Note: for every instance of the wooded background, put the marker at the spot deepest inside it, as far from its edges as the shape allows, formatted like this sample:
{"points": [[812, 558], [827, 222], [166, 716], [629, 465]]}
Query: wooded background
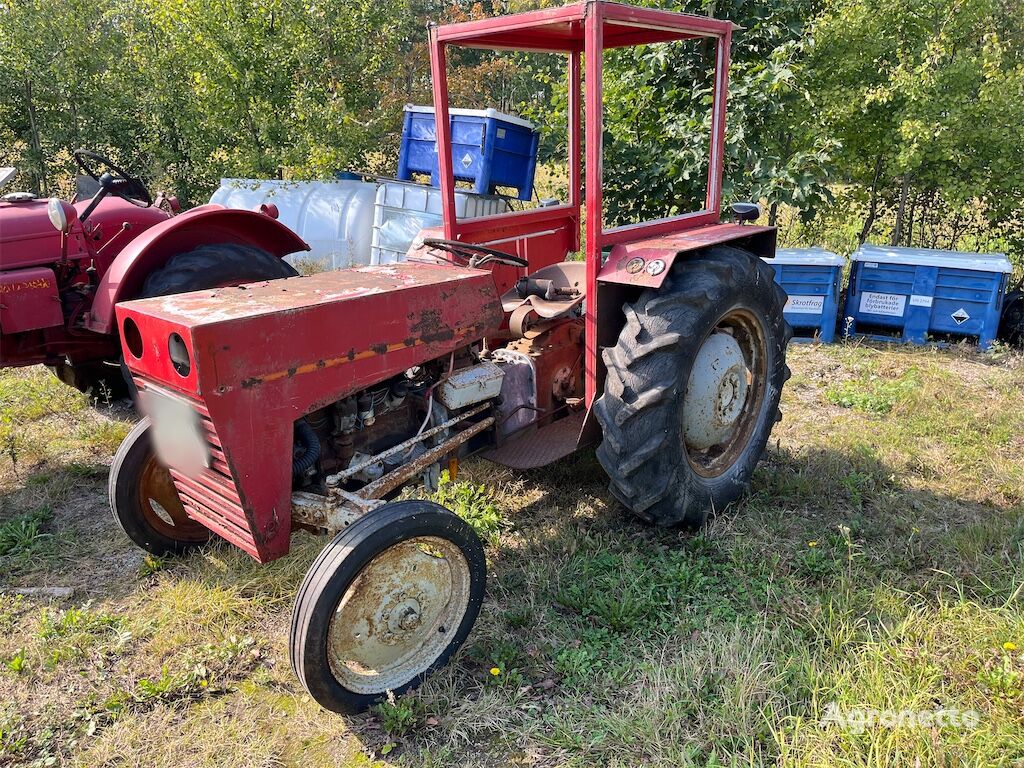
{"points": [[895, 121]]}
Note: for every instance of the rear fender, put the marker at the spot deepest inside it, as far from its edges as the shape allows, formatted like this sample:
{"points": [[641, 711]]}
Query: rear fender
{"points": [[154, 247], [646, 263], [633, 267]]}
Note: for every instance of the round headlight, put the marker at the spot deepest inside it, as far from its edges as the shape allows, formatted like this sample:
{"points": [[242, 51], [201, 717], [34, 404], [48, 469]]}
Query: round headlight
{"points": [[58, 216]]}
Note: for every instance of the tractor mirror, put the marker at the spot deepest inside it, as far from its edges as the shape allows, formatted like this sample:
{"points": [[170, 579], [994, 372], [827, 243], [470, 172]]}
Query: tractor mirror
{"points": [[742, 212]]}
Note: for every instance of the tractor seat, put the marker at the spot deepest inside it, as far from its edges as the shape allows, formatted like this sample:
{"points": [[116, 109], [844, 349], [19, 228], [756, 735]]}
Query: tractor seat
{"points": [[546, 294]]}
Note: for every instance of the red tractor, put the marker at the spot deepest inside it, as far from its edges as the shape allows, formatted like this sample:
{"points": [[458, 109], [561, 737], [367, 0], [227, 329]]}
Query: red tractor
{"points": [[63, 267], [307, 403]]}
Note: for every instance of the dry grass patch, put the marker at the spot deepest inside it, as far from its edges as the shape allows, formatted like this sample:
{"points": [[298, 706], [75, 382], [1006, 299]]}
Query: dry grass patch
{"points": [[875, 563]]}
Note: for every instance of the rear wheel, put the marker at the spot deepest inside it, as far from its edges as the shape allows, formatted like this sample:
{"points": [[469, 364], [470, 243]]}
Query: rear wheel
{"points": [[215, 266], [1011, 324], [145, 502], [693, 387], [385, 604]]}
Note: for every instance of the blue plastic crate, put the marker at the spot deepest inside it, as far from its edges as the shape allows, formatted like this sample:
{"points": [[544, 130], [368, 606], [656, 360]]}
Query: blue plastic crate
{"points": [[911, 293], [811, 278], [489, 149]]}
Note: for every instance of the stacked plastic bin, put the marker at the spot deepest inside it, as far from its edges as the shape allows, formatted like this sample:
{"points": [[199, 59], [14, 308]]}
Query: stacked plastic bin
{"points": [[489, 149]]}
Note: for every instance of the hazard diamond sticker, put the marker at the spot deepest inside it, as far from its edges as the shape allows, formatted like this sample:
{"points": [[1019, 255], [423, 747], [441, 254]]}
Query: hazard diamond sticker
{"points": [[961, 316], [467, 160]]}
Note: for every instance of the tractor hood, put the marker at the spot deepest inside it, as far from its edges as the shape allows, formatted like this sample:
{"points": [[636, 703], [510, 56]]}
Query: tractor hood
{"points": [[27, 238], [227, 372]]}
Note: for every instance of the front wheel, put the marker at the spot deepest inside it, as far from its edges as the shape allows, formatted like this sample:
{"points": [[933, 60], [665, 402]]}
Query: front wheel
{"points": [[388, 601], [145, 502], [693, 387], [98, 378]]}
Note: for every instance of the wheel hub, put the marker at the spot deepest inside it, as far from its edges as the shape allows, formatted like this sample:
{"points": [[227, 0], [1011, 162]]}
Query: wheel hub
{"points": [[398, 615], [716, 392], [404, 615]]}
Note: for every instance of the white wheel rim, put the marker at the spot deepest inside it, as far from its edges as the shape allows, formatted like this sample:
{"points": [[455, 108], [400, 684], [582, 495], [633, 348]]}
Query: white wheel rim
{"points": [[716, 391], [728, 383], [398, 615]]}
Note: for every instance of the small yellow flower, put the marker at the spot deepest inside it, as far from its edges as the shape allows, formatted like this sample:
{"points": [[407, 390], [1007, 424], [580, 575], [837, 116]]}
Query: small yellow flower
{"points": [[1008, 646], [812, 544], [495, 671]]}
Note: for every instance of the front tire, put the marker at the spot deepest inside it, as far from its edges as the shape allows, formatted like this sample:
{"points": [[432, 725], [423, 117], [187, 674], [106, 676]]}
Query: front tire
{"points": [[387, 602], [693, 387], [145, 502], [97, 378]]}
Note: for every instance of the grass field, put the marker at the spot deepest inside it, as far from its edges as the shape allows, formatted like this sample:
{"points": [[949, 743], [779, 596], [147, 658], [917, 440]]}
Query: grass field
{"points": [[876, 564]]}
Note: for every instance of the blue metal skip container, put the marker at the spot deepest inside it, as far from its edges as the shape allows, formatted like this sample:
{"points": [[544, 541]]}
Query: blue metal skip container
{"points": [[489, 149], [811, 278], [914, 293]]}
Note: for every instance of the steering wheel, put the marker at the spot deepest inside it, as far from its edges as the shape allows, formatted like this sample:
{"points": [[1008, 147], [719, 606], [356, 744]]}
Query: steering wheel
{"points": [[121, 184], [476, 255]]}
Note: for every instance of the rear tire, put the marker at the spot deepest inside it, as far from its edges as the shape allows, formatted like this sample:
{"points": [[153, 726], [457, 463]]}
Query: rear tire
{"points": [[145, 502], [214, 266], [386, 603], [1011, 324], [716, 326]]}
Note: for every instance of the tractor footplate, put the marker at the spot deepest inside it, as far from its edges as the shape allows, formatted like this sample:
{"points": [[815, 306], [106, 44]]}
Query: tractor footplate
{"points": [[538, 448]]}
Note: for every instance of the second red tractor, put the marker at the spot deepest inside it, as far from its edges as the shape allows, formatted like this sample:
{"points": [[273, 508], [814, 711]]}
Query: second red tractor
{"points": [[64, 265], [308, 402]]}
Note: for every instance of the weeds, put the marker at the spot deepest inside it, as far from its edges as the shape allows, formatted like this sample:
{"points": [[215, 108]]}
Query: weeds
{"points": [[473, 503], [23, 538], [873, 394], [71, 633], [16, 663], [602, 641], [398, 715]]}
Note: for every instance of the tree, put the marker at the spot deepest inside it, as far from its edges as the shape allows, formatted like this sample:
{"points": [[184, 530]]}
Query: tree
{"points": [[927, 99]]}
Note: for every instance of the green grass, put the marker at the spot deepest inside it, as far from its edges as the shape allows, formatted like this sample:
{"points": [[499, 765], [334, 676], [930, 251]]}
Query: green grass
{"points": [[876, 564]]}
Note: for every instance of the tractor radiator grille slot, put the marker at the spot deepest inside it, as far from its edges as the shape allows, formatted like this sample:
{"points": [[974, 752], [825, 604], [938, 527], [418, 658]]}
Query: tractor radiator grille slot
{"points": [[212, 497]]}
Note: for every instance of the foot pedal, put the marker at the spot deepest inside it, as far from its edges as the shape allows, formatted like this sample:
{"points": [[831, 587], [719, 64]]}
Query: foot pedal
{"points": [[540, 447]]}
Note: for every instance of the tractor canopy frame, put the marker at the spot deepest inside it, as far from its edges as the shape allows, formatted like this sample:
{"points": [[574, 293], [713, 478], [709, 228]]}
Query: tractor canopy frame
{"points": [[583, 31]]}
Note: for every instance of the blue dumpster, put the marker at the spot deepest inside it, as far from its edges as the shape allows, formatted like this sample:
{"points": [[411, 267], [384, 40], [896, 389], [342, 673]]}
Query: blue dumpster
{"points": [[489, 149], [811, 278], [914, 293]]}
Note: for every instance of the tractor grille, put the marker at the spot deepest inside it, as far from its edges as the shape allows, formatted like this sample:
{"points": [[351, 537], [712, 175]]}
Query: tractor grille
{"points": [[212, 497]]}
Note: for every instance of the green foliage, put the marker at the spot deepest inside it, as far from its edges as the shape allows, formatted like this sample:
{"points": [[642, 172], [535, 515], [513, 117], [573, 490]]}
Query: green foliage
{"points": [[398, 715], [22, 537], [873, 394], [648, 593], [16, 663], [870, 119], [473, 503], [926, 98], [152, 565], [74, 632]]}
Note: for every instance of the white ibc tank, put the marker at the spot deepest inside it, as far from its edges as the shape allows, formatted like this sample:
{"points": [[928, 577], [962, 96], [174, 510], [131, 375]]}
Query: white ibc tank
{"points": [[403, 209], [334, 217]]}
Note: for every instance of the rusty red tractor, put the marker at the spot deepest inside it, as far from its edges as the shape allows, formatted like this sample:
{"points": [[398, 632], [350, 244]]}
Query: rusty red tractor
{"points": [[63, 267], [308, 402]]}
